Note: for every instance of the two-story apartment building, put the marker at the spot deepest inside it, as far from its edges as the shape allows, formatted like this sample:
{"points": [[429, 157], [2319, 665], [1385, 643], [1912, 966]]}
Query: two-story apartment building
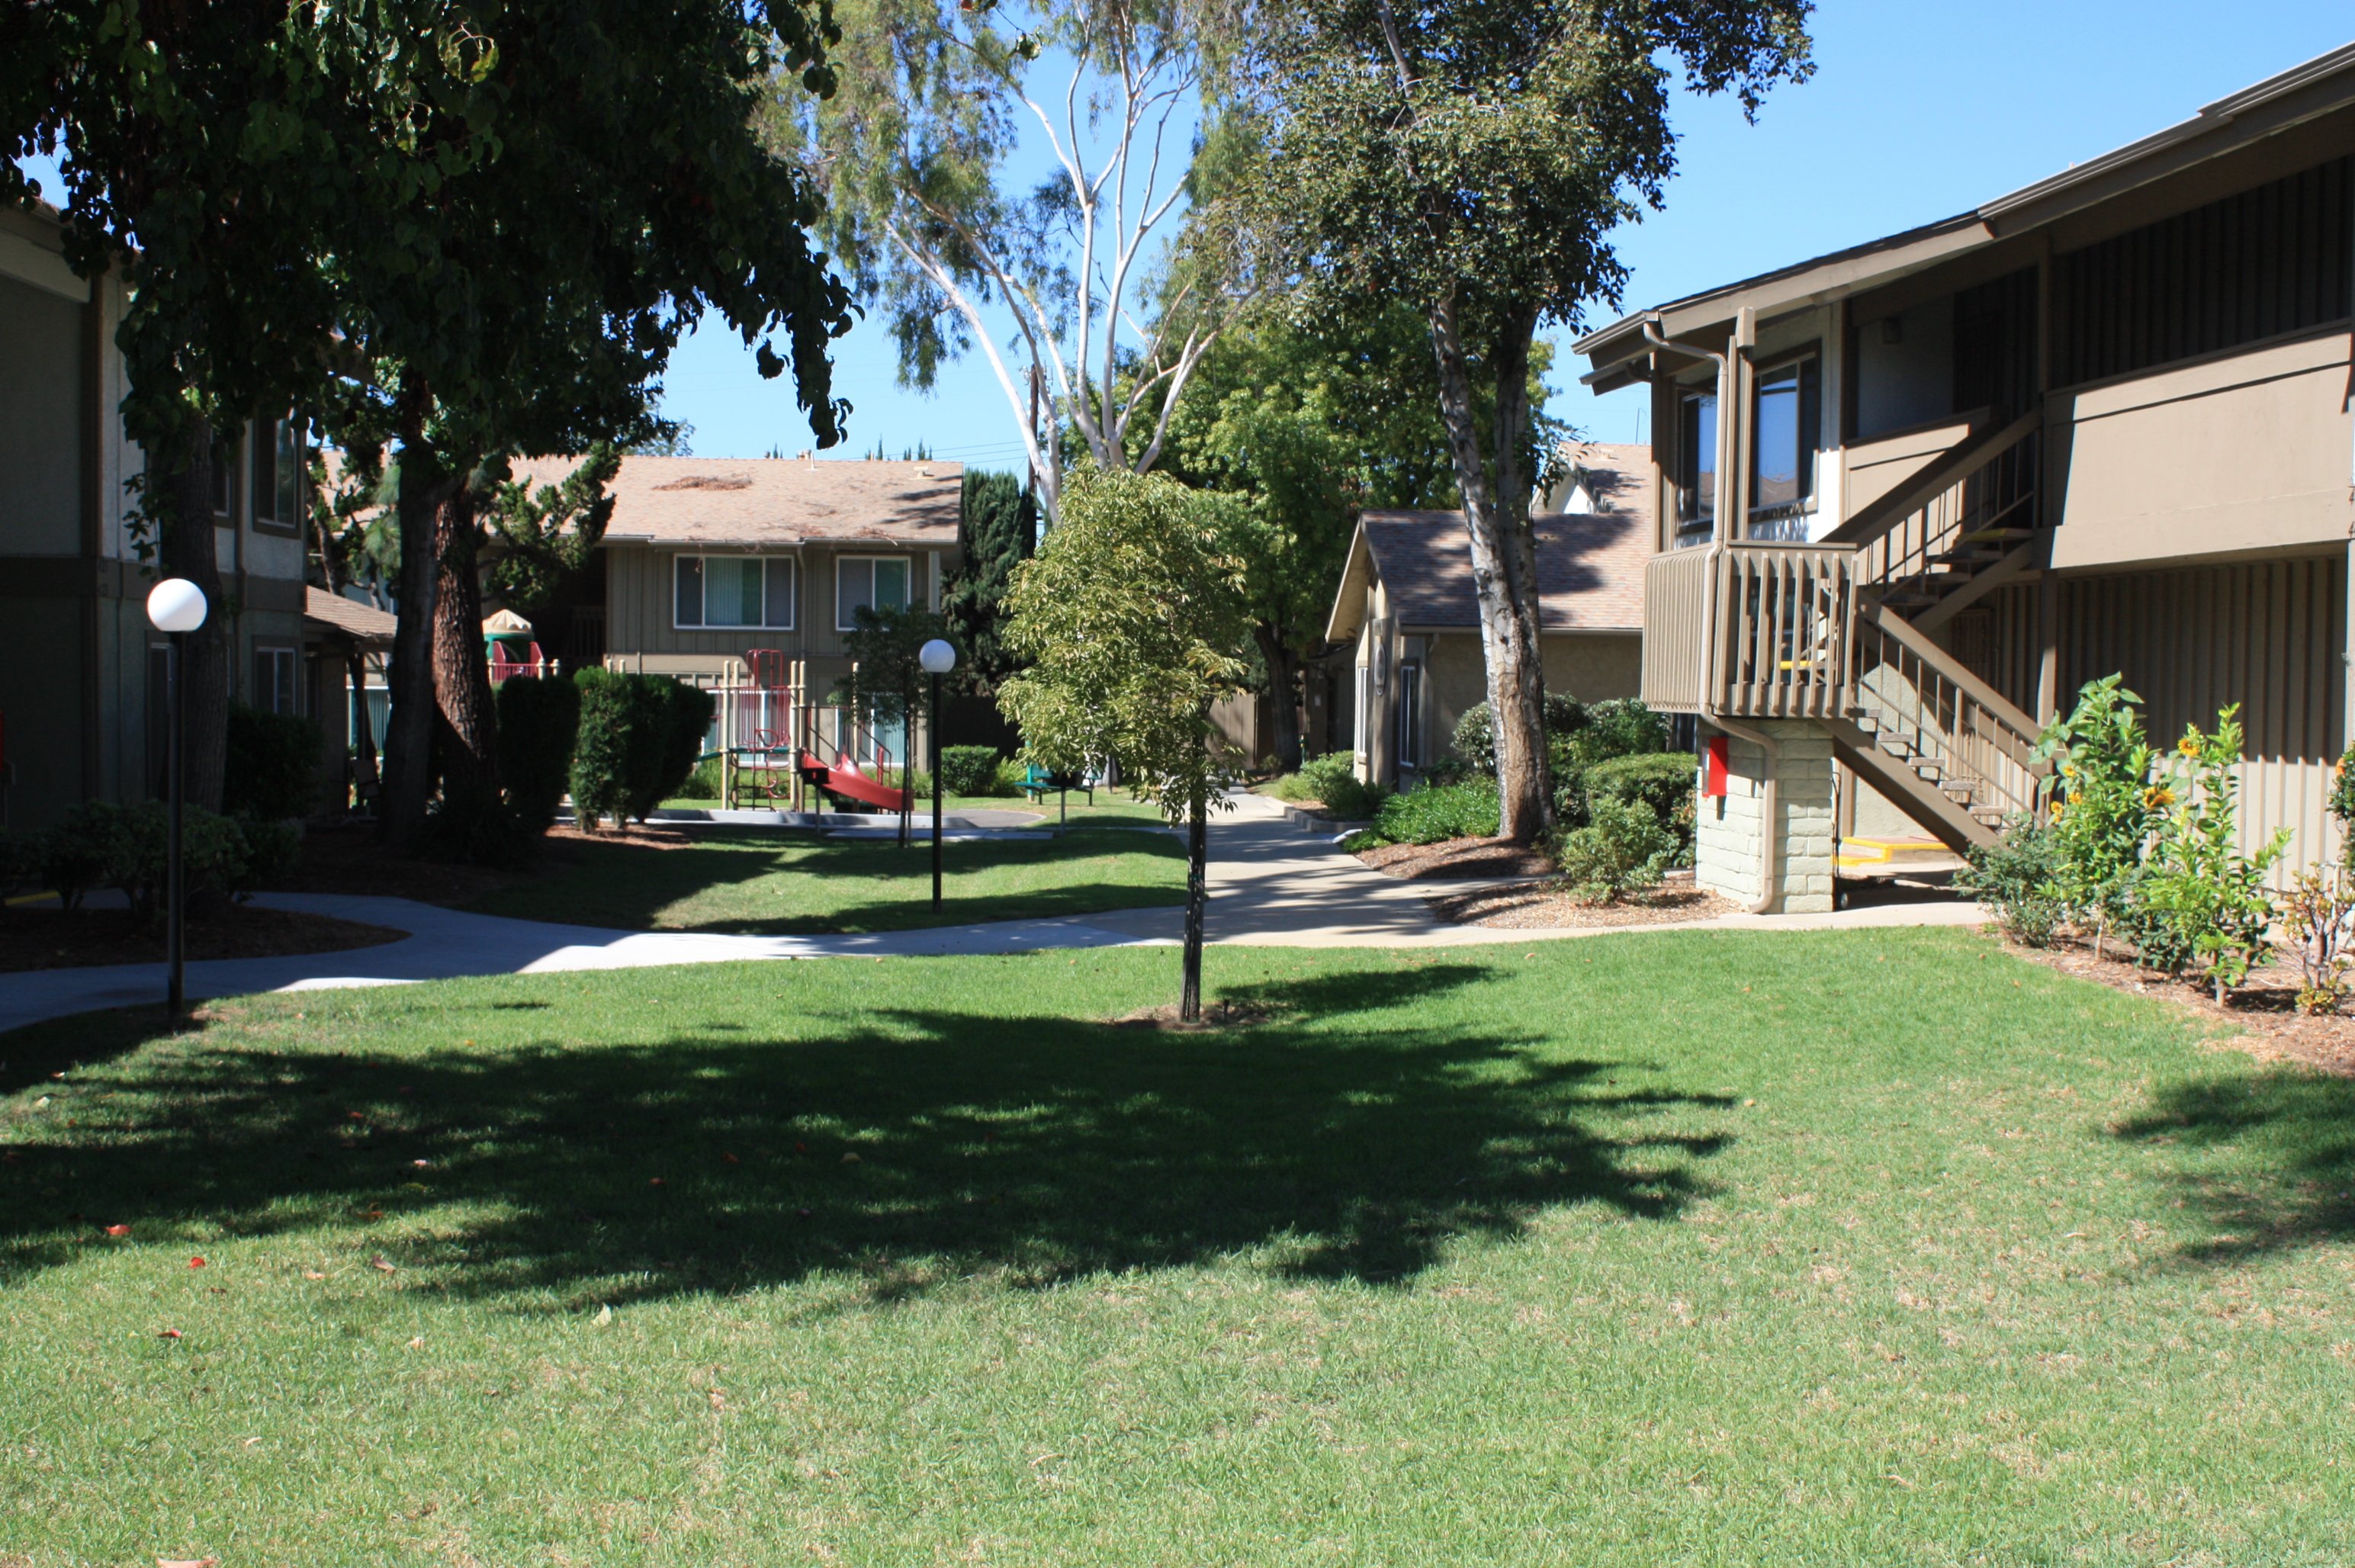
{"points": [[1911, 494], [79, 664]]}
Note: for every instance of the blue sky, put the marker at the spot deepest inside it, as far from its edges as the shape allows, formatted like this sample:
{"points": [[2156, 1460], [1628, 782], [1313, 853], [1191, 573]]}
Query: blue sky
{"points": [[1918, 110]]}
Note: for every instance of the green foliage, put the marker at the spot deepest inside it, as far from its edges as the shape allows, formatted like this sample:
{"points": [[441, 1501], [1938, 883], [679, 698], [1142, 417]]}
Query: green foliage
{"points": [[997, 530], [2018, 877], [20, 861], [2342, 804], [2214, 898], [544, 536], [538, 720], [702, 784], [1475, 740], [1135, 621], [1662, 780], [639, 738], [2102, 799], [884, 645], [1331, 781], [969, 770], [1624, 848], [1617, 726], [1437, 813], [100, 844], [2317, 915], [273, 764]]}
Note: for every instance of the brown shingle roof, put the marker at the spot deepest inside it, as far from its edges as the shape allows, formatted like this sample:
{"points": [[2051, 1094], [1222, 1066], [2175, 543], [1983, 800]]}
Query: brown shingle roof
{"points": [[773, 500], [365, 623], [1590, 565]]}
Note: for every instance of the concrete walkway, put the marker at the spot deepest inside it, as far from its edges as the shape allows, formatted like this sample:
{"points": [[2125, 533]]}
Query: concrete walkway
{"points": [[1270, 884]]}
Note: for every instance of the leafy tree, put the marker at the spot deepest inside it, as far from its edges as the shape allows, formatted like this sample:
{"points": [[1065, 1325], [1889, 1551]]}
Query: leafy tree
{"points": [[1135, 619], [997, 530], [1120, 270], [1470, 159], [544, 536], [1308, 423]]}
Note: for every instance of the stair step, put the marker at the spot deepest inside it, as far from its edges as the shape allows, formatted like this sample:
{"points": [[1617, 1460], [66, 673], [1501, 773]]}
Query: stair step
{"points": [[2008, 533]]}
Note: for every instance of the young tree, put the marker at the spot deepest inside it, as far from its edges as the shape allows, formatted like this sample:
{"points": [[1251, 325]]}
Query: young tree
{"points": [[914, 150], [1306, 423], [1471, 159], [1135, 619], [997, 530]]}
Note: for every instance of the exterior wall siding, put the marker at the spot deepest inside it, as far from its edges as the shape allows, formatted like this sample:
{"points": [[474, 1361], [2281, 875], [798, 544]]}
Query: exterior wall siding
{"points": [[639, 604], [2270, 636], [1728, 830]]}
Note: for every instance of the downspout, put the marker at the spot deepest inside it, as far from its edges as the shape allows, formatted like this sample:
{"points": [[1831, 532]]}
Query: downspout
{"points": [[1721, 524]]}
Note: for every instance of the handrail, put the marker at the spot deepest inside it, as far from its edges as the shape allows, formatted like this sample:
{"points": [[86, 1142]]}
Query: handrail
{"points": [[1778, 646], [2019, 731], [1878, 518], [1972, 743]]}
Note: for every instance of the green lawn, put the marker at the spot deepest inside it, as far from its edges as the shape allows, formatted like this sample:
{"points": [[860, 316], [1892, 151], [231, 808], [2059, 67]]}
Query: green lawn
{"points": [[1669, 1249], [771, 882]]}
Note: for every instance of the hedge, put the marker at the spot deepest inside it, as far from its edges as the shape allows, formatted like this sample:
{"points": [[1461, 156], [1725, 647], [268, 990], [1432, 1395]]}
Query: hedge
{"points": [[539, 722], [638, 739], [100, 844], [969, 770]]}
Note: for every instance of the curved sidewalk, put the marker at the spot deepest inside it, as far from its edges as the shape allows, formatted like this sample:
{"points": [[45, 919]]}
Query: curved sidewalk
{"points": [[1270, 884]]}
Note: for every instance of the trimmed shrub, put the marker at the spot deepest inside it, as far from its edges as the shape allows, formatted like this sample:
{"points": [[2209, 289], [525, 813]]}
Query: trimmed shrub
{"points": [[969, 770], [2017, 876], [1435, 814], [1620, 727], [271, 847], [1623, 849], [1661, 780], [539, 719], [639, 738], [1475, 740], [273, 765], [103, 845], [1333, 783]]}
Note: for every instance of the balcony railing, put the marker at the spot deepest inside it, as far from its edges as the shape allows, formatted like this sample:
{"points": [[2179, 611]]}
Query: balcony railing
{"points": [[1751, 630]]}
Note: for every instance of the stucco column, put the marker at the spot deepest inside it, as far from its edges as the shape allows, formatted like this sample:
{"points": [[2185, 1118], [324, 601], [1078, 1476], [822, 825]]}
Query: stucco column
{"points": [[1731, 829]]}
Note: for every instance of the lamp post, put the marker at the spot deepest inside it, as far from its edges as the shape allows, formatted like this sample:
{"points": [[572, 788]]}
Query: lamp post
{"points": [[175, 607], [938, 658]]}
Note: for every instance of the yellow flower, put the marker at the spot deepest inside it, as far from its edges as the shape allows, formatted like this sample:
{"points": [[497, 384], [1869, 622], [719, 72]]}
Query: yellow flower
{"points": [[2057, 809], [2187, 746], [2158, 796], [2068, 770], [2076, 798]]}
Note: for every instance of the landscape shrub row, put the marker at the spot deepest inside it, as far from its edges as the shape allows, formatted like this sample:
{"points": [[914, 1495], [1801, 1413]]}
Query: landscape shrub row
{"points": [[103, 845], [2140, 846]]}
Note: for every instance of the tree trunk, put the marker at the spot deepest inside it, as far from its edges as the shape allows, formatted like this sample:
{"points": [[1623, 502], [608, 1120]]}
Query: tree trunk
{"points": [[1504, 562], [363, 726], [1283, 692], [409, 733], [1198, 896], [467, 731], [185, 548]]}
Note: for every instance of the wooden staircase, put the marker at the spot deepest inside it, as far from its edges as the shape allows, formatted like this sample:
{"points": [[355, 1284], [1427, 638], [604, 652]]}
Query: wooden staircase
{"points": [[1937, 741]]}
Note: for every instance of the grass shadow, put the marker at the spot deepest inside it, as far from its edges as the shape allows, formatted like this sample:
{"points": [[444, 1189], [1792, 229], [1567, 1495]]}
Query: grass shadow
{"points": [[2280, 1166], [903, 1150]]}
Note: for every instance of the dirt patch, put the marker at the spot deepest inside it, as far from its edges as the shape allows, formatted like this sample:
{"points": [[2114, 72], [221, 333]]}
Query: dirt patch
{"points": [[52, 939], [1457, 858], [1549, 904], [1220, 1015], [349, 859], [2266, 1007]]}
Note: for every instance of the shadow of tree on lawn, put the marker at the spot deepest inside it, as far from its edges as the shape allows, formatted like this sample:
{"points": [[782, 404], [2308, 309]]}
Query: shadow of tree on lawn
{"points": [[904, 1148], [2287, 1139]]}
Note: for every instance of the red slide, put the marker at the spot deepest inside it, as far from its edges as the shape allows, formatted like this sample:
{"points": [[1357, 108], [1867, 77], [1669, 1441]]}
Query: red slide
{"points": [[850, 783]]}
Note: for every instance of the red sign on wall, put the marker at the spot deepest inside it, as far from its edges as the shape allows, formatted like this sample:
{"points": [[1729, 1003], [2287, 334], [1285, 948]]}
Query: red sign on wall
{"points": [[1712, 777]]}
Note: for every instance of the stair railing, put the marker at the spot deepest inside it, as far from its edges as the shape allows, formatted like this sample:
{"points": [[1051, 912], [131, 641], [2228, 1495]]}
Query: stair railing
{"points": [[1943, 712], [1776, 647], [1987, 483]]}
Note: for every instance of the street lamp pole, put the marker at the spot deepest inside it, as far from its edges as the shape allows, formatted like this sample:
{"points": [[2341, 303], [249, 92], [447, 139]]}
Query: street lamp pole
{"points": [[175, 607], [938, 658]]}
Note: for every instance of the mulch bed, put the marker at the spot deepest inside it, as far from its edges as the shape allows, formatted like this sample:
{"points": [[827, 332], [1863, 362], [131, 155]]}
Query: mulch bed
{"points": [[52, 939], [1215, 1016], [1456, 858], [1548, 905], [2266, 1006]]}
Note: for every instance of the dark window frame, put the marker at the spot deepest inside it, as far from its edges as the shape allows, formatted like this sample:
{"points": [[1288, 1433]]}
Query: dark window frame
{"points": [[703, 593]]}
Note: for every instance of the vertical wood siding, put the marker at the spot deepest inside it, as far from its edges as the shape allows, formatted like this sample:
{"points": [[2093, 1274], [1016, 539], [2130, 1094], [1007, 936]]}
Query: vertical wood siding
{"points": [[2270, 636]]}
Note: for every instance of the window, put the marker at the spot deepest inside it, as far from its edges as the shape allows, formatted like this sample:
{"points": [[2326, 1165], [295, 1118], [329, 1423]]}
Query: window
{"points": [[224, 476], [274, 681], [1409, 716], [1696, 460], [734, 591], [278, 473], [875, 581], [1361, 710], [1790, 428]]}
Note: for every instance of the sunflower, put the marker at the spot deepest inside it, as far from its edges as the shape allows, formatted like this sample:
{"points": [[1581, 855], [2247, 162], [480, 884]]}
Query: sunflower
{"points": [[2187, 746], [2158, 797], [2057, 809], [2076, 798]]}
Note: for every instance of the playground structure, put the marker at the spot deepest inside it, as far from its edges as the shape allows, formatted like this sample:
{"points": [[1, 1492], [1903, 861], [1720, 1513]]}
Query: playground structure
{"points": [[777, 745]]}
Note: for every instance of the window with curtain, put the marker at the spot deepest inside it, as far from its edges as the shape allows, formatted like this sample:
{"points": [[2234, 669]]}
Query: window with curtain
{"points": [[715, 592], [876, 582], [1696, 460]]}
